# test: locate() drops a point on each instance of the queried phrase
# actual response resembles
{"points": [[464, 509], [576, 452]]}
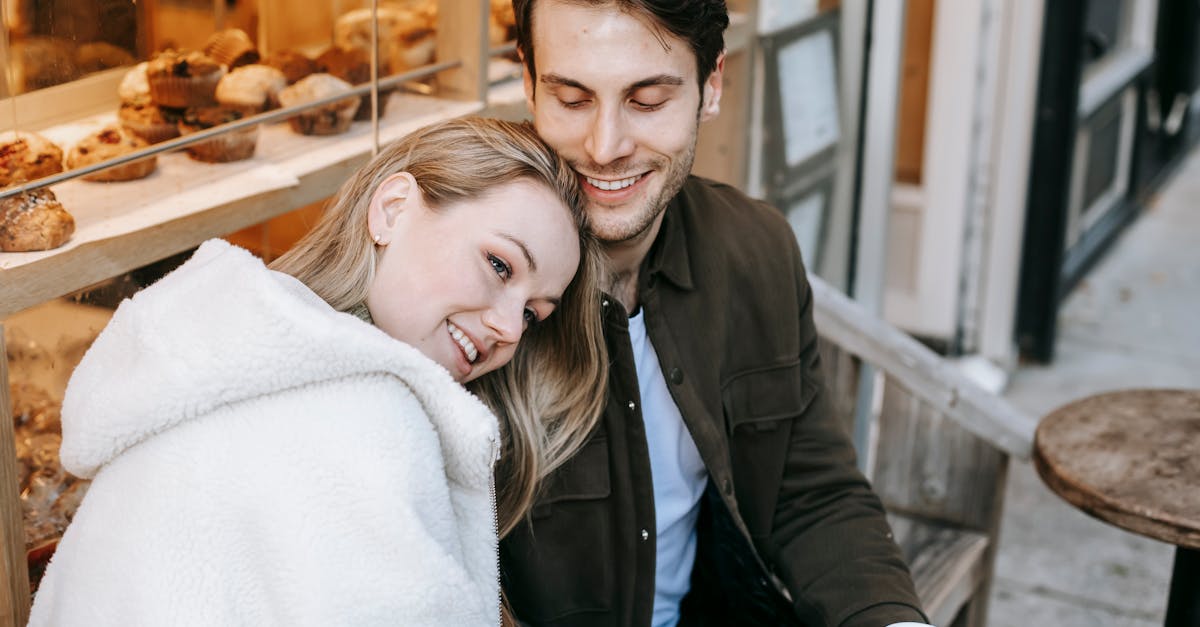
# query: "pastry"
{"points": [[294, 65], [110, 142], [183, 79], [134, 87], [231, 47], [406, 36], [353, 65], [328, 119], [27, 156], [150, 121], [251, 88], [229, 146], [34, 220]]}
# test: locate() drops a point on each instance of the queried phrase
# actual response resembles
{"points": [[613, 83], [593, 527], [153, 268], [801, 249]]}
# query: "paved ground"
{"points": [[1132, 322]]}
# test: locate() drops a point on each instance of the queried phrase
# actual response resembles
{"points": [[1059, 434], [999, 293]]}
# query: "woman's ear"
{"points": [[396, 194]]}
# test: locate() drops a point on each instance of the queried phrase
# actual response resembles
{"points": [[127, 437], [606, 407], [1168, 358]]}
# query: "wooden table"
{"points": [[1132, 458]]}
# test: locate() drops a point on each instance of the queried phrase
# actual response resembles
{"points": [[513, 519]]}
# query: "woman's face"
{"points": [[463, 283]]}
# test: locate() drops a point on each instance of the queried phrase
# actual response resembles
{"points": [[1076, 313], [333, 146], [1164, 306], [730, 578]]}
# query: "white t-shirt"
{"points": [[679, 480]]}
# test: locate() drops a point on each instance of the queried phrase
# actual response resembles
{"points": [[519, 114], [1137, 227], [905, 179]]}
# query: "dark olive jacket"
{"points": [[786, 515]]}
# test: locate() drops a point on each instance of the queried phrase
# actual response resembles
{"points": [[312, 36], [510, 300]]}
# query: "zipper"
{"points": [[496, 532]]}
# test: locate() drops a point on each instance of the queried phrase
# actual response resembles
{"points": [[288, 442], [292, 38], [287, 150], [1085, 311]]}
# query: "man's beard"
{"points": [[627, 229]]}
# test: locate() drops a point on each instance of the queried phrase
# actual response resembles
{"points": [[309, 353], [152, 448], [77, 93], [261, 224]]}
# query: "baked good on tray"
{"points": [[26, 156], [251, 88], [294, 65], [353, 65], [34, 220], [406, 36], [229, 146], [107, 143], [183, 79], [231, 47], [329, 119], [150, 121]]}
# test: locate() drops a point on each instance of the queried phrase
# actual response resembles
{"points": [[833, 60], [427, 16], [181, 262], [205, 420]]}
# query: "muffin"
{"points": [[110, 142], [134, 87], [251, 88], [101, 55], [294, 65], [27, 156], [230, 146], [149, 121], [183, 79], [353, 65], [231, 47], [328, 119], [34, 220]]}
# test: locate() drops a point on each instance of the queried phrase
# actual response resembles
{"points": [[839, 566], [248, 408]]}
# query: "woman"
{"points": [[294, 446]]}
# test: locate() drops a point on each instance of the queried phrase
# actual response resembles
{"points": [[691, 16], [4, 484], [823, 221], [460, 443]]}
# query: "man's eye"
{"points": [[573, 104], [500, 266], [648, 106]]}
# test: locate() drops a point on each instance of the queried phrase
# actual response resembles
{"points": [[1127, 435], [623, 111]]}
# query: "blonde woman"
{"points": [[295, 445]]}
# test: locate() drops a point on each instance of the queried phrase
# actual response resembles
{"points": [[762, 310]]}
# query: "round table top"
{"points": [[1131, 458]]}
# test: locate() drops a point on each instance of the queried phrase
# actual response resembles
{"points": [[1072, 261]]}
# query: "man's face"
{"points": [[620, 100]]}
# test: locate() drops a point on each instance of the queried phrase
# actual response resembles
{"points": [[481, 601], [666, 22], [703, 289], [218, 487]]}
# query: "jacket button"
{"points": [[676, 376], [645, 535], [632, 405], [604, 303]]}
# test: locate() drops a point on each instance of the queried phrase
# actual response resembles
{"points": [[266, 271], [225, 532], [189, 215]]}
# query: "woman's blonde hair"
{"points": [[550, 395]]}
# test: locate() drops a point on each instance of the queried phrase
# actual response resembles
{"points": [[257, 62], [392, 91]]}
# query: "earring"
{"points": [[375, 237]]}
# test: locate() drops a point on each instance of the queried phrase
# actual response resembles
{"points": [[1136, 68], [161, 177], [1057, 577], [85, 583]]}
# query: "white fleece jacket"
{"points": [[261, 459]]}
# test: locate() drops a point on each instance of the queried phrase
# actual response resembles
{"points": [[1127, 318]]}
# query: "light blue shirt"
{"points": [[679, 480]]}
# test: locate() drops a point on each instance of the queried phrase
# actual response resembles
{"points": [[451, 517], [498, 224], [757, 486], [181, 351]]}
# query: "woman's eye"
{"points": [[531, 317], [500, 266]]}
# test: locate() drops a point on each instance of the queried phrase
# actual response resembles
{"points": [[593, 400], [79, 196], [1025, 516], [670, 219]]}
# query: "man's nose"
{"points": [[608, 139]]}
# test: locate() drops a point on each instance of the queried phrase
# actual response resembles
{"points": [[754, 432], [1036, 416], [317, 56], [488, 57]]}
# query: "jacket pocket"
{"points": [[584, 477], [760, 398], [762, 406], [560, 565]]}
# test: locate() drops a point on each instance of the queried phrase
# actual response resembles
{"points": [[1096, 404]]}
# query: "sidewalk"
{"points": [[1131, 323]]}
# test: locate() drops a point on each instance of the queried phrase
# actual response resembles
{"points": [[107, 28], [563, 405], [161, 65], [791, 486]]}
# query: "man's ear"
{"points": [[711, 104], [527, 79], [395, 195]]}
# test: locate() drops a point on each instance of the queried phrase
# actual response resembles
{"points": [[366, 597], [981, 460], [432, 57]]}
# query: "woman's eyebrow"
{"points": [[524, 250]]}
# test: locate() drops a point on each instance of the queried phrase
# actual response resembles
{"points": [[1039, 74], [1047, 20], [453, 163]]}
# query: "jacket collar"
{"points": [[669, 254]]}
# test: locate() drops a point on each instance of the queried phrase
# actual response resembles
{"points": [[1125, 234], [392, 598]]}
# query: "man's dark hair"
{"points": [[701, 23]]}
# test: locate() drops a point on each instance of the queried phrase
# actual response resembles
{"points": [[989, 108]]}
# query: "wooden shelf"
{"points": [[122, 226]]}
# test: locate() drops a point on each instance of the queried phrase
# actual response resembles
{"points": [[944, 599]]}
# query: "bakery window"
{"points": [[132, 131]]}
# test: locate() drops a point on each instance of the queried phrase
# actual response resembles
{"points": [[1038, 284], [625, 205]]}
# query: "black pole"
{"points": [[1183, 604], [1050, 178]]}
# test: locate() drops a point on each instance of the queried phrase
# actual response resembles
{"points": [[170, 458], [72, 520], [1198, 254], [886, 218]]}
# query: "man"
{"points": [[719, 488]]}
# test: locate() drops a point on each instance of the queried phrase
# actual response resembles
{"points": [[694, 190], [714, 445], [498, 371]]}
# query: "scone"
{"points": [[134, 87], [183, 79], [329, 119], [251, 88], [110, 142], [34, 220], [27, 156]]}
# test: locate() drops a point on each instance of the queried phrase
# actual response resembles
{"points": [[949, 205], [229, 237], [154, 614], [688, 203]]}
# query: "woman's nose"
{"points": [[506, 323]]}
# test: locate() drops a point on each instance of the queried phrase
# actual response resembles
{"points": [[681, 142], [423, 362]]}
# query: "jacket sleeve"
{"points": [[832, 545]]}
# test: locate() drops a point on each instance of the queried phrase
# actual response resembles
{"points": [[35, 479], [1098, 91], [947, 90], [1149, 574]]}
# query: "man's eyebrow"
{"points": [[524, 250], [649, 81]]}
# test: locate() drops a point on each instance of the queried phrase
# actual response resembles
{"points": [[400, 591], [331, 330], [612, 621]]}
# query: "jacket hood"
{"points": [[223, 328]]}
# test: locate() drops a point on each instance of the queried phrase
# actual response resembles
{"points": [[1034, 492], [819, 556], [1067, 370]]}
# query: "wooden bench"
{"points": [[937, 452]]}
